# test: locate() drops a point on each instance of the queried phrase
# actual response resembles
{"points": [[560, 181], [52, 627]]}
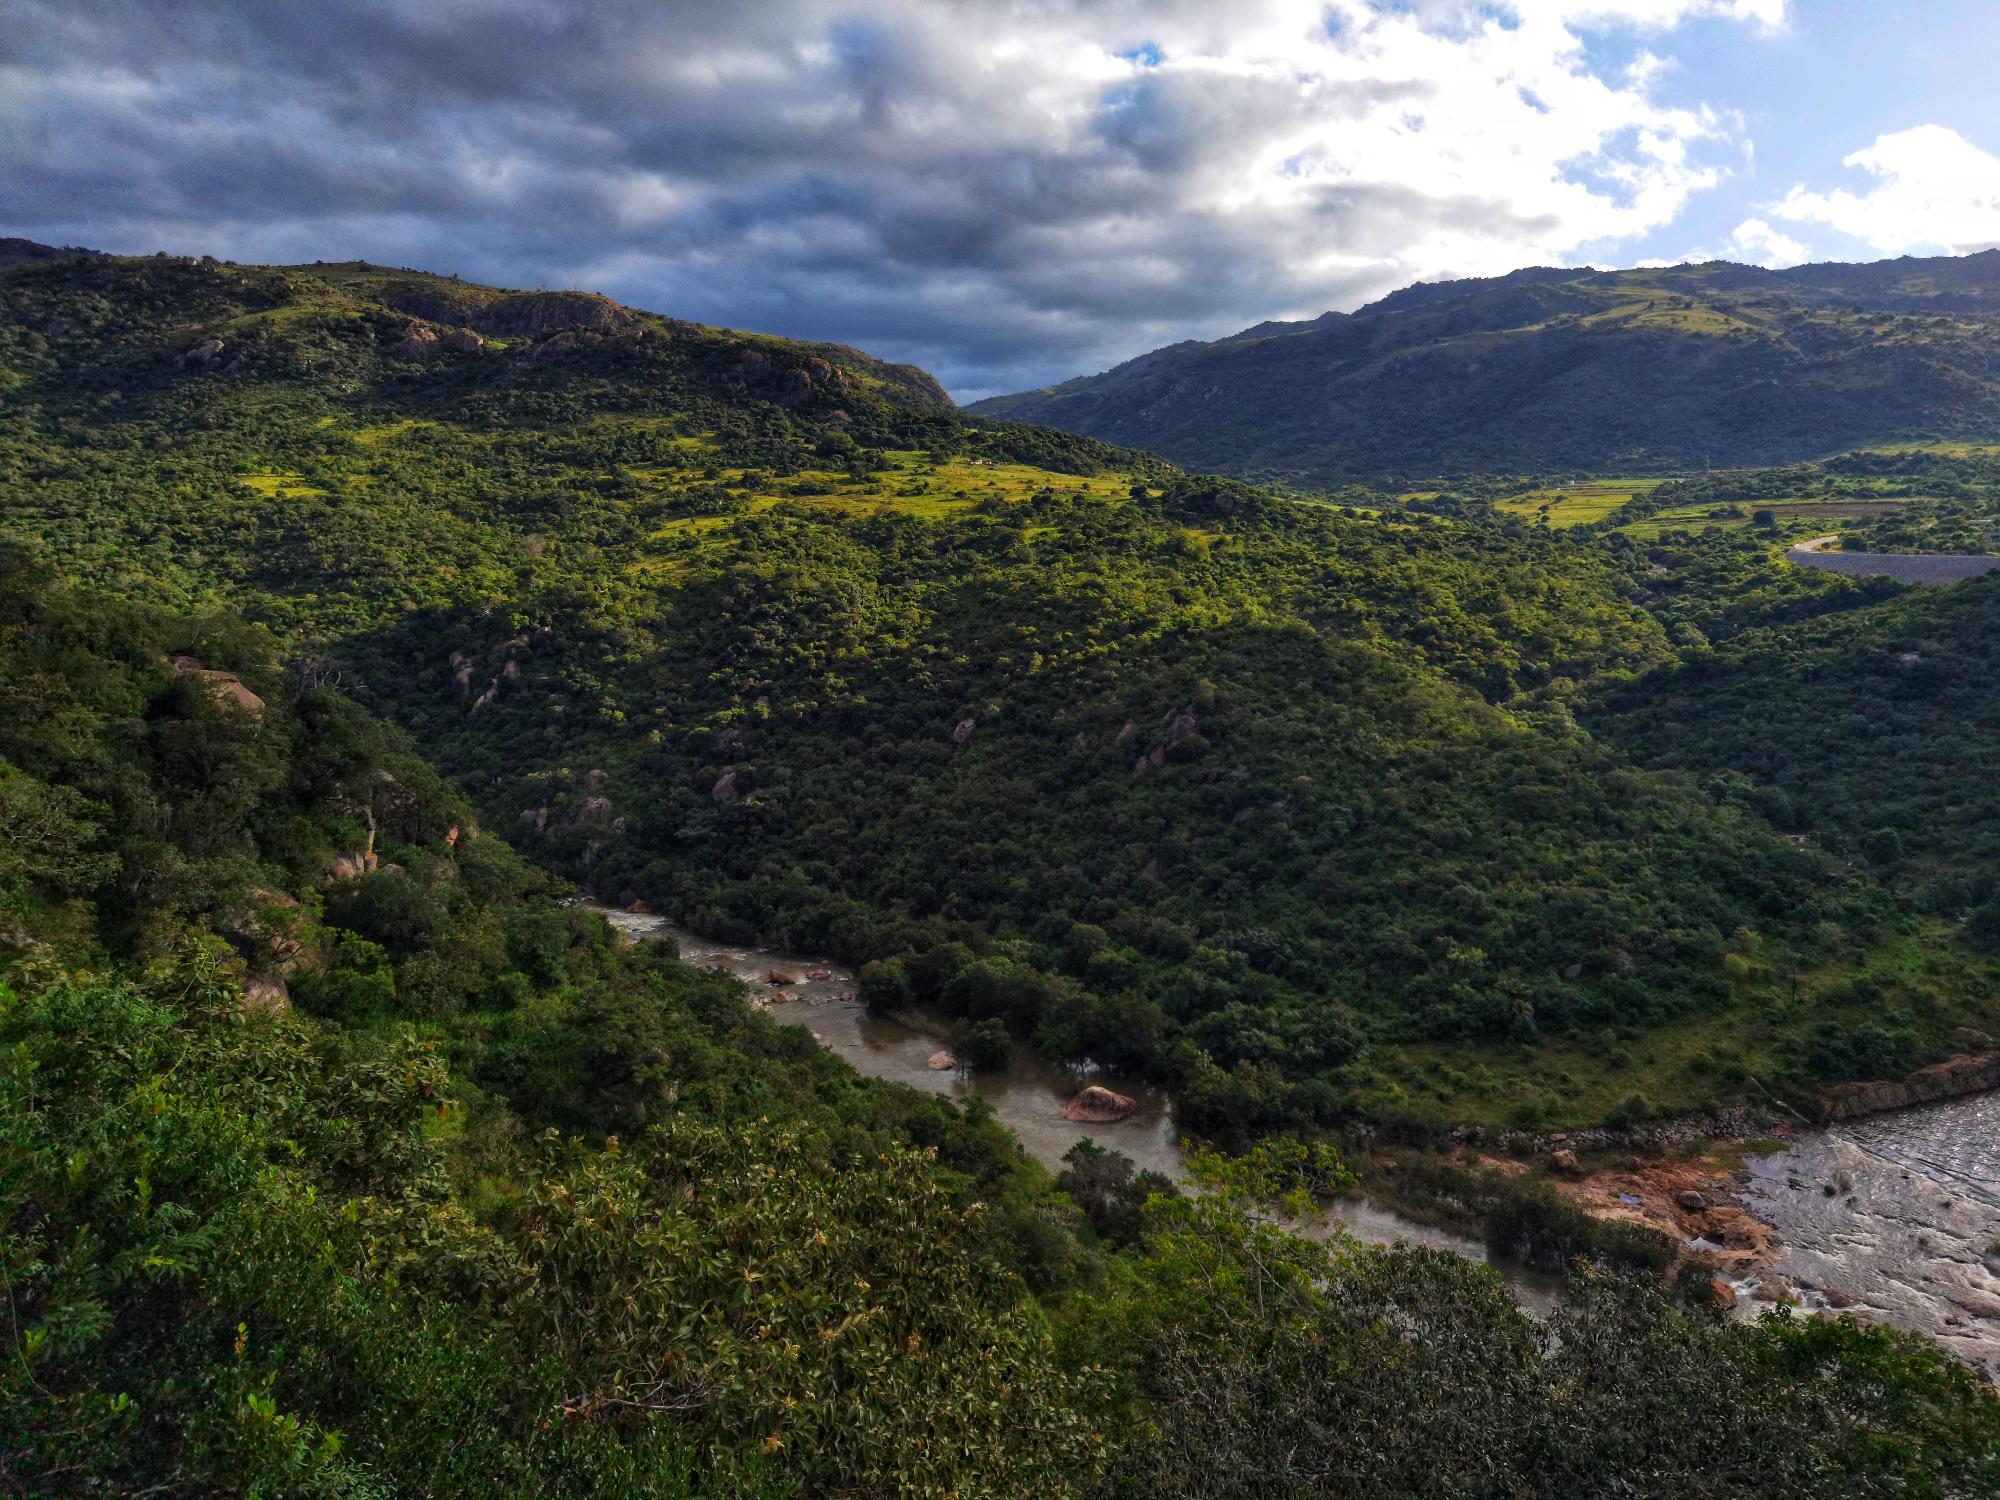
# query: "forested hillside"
{"points": [[1625, 371], [341, 1155], [1277, 803]]}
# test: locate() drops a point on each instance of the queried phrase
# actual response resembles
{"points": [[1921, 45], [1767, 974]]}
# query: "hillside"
{"points": [[488, 1206], [342, 1154], [1276, 803], [1614, 371]]}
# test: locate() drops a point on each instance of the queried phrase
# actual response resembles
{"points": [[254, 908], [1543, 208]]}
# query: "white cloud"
{"points": [[1933, 190], [1755, 242], [977, 184]]}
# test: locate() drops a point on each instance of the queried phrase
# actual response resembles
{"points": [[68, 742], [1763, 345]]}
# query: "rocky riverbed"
{"points": [[1895, 1217]]}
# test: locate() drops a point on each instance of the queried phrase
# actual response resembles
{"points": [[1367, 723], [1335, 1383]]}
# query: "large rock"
{"points": [[225, 685], [536, 313], [266, 992], [1098, 1106], [418, 342], [351, 866], [1968, 1073]]}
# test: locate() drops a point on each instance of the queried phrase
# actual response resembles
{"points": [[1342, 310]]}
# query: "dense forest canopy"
{"points": [[556, 1217]]}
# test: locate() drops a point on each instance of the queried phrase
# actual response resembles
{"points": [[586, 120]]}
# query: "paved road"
{"points": [[1906, 567]]}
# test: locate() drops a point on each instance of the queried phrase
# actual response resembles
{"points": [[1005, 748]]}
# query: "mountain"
{"points": [[1549, 368], [1277, 804]]}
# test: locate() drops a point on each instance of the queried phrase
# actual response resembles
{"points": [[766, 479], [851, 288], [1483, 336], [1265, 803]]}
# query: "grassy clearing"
{"points": [[911, 486], [369, 437], [1662, 307], [1685, 1067], [278, 486], [1946, 449], [1708, 514], [1576, 504], [1564, 1082]]}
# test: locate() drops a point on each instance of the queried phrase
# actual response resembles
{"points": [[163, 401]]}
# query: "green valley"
{"points": [[357, 621]]}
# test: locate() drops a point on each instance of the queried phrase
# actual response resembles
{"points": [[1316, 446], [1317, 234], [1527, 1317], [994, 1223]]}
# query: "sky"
{"points": [[1006, 192]]}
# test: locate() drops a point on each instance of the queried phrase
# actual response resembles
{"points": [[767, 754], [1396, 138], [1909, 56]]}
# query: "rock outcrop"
{"points": [[1098, 1106], [532, 314], [226, 685], [203, 354], [266, 992], [537, 313], [419, 342], [1967, 1073]]}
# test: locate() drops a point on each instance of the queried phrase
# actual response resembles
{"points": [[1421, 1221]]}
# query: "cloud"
{"points": [[1003, 192], [1933, 190], [1753, 242]]}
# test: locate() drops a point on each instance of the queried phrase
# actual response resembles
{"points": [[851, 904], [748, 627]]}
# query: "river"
{"points": [[1909, 1233], [1027, 1096]]}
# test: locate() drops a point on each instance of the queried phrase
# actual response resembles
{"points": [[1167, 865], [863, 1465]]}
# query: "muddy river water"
{"points": [[1910, 1234], [1027, 1096]]}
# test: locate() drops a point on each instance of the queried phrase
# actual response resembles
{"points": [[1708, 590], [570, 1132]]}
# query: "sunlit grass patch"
{"points": [[278, 486], [1576, 504], [383, 432]]}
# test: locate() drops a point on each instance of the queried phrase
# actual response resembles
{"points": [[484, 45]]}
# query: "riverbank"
{"points": [[1028, 1095], [1767, 1210]]}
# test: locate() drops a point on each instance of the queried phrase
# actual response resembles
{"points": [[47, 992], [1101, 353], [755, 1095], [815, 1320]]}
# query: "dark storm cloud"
{"points": [[1006, 193]]}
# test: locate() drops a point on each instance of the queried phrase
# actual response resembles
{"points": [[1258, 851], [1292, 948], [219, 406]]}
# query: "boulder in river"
{"points": [[775, 977], [1098, 1106], [938, 1062]]}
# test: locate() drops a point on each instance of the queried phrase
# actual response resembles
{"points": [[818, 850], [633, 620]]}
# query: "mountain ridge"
{"points": [[1650, 369]]}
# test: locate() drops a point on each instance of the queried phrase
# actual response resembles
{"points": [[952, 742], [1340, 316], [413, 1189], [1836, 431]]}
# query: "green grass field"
{"points": [[1576, 504]]}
